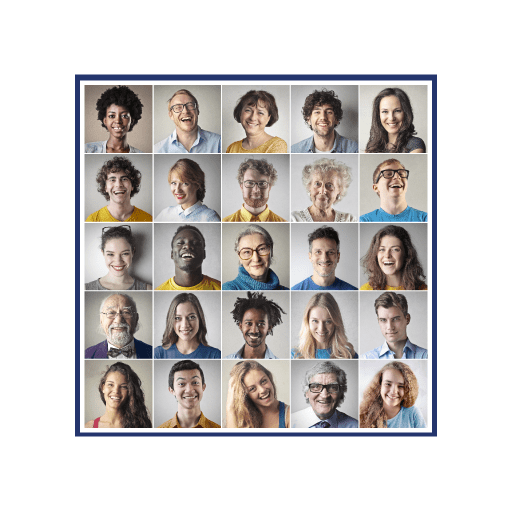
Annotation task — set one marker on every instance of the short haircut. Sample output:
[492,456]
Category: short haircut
[392,300]
[390,161]
[115,233]
[326,367]
[258,301]
[324,232]
[254,229]
[324,166]
[122,96]
[323,97]
[183,91]
[262,166]
[189,170]
[252,98]
[187,226]
[180,366]
[113,166]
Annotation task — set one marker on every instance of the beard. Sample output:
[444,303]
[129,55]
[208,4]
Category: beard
[256,203]
[119,339]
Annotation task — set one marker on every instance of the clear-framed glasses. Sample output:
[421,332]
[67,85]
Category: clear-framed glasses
[126,313]
[390,173]
[315,387]
[252,184]
[180,106]
[246,253]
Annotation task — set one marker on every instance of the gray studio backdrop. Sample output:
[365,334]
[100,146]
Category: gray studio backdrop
[419,237]
[347,302]
[302,268]
[210,165]
[280,233]
[210,302]
[417,188]
[279,195]
[142,262]
[139,137]
[208,98]
[368,369]
[348,406]
[166,405]
[144,302]
[164,265]
[417,330]
[94,200]
[348,95]
[280,371]
[419,102]
[233,131]
[232,339]
[300,196]
[93,372]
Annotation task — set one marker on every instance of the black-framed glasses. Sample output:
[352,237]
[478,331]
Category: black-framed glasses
[252,184]
[107,228]
[390,173]
[180,106]
[246,253]
[315,387]
[112,314]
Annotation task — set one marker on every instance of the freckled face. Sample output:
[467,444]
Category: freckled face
[259,388]
[392,389]
[391,255]
[115,390]
[118,256]
[118,121]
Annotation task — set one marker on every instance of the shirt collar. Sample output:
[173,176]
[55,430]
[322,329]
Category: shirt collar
[120,356]
[335,148]
[174,423]
[332,420]
[191,209]
[247,216]
[174,138]
[385,348]
[268,353]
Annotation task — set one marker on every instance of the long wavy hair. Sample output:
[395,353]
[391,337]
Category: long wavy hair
[412,274]
[371,410]
[378,134]
[341,348]
[170,337]
[134,411]
[247,415]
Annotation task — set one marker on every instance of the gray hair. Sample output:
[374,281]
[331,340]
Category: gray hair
[326,367]
[132,305]
[325,165]
[254,229]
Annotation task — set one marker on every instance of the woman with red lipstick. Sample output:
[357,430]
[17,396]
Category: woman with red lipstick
[119,110]
[252,399]
[392,129]
[121,392]
[392,262]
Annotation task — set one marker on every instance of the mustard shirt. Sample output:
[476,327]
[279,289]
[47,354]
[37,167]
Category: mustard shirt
[104,215]
[274,145]
[208,283]
[244,215]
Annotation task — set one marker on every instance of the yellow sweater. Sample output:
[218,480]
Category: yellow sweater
[103,215]
[274,145]
[208,283]
[244,215]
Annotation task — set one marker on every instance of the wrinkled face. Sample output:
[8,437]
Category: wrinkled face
[323,403]
[393,324]
[392,389]
[188,252]
[184,192]
[391,255]
[188,388]
[391,114]
[322,120]
[259,388]
[255,197]
[254,119]
[255,327]
[321,325]
[118,121]
[118,256]
[186,120]
[119,187]
[324,189]
[257,266]
[324,256]
[393,188]
[119,330]
[115,390]
[186,322]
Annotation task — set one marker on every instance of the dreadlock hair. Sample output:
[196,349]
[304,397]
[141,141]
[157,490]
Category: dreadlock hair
[257,300]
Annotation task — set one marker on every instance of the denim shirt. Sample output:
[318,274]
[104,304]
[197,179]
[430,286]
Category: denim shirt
[206,142]
[341,145]
[101,147]
[411,351]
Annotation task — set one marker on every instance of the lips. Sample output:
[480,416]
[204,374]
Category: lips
[118,268]
[187,256]
[119,192]
[265,396]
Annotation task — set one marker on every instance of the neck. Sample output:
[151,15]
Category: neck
[392,138]
[273,409]
[120,211]
[394,206]
[323,281]
[255,353]
[118,145]
[189,418]
[394,280]
[391,412]
[253,141]
[188,279]
[255,211]
[397,347]
[187,347]
[187,138]
[118,280]
[324,143]
[113,416]
[322,345]
[322,215]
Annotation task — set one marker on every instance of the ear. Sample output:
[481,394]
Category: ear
[376,188]
[408,318]
[172,391]
[309,255]
[338,257]
[170,112]
[309,121]
[240,327]
[204,387]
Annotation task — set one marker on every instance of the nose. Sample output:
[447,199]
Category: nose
[324,393]
[178,187]
[255,256]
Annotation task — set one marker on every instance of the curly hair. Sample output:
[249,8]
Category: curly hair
[378,134]
[116,232]
[323,166]
[262,166]
[113,166]
[180,366]
[322,368]
[121,96]
[341,348]
[258,301]
[412,275]
[247,415]
[324,232]
[371,410]
[134,411]
[252,98]
[170,337]
[189,170]
[188,93]
[319,98]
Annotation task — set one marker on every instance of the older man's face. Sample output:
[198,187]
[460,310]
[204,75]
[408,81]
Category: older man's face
[186,120]
[121,327]
[323,403]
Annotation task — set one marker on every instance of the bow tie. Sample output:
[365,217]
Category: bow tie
[321,424]
[126,351]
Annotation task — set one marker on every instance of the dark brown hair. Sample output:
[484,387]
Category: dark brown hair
[252,98]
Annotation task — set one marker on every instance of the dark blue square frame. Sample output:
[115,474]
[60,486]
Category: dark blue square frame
[227,78]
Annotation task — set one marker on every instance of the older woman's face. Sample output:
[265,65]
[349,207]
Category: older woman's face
[254,118]
[118,256]
[115,390]
[259,388]
[391,114]
[391,255]
[324,189]
[184,192]
[118,120]
[256,266]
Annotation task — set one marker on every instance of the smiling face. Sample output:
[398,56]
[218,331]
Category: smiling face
[323,120]
[321,326]
[184,192]
[393,188]
[186,322]
[391,115]
[115,390]
[257,266]
[391,255]
[119,187]
[259,388]
[255,197]
[118,256]
[324,189]
[188,388]
[188,252]
[393,324]
[118,121]
[119,330]
[254,119]
[255,327]
[186,120]
[324,256]
[324,403]
[392,389]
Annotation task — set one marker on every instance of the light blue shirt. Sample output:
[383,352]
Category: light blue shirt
[408,417]
[238,355]
[101,147]
[206,142]
[408,215]
[196,213]
[341,145]
[411,351]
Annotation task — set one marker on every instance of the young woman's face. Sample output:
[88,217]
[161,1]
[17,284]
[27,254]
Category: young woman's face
[117,120]
[392,389]
[115,390]
[321,325]
[118,256]
[184,192]
[259,388]
[391,114]
[391,255]
[186,322]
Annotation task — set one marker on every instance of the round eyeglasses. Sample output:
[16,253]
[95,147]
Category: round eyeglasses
[390,173]
[252,184]
[315,387]
[246,253]
[180,106]
[112,314]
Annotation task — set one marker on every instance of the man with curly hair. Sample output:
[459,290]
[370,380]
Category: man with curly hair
[322,113]
[256,317]
[118,181]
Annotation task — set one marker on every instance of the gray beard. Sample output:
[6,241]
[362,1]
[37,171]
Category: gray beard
[122,339]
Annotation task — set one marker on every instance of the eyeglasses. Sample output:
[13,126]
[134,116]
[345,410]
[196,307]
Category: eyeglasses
[125,226]
[180,106]
[252,184]
[390,173]
[111,314]
[246,253]
[315,387]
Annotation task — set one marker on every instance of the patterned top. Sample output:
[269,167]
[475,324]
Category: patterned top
[196,213]
[208,283]
[104,215]
[244,215]
[366,286]
[415,143]
[305,216]
[101,147]
[274,145]
[203,422]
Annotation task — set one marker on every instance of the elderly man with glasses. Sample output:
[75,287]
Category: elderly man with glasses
[119,320]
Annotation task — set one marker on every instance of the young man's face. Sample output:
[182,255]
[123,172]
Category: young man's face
[393,324]
[188,252]
[188,388]
[255,327]
[322,120]
[324,256]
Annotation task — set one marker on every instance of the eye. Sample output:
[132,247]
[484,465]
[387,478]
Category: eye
[177,318]
[126,116]
[192,317]
[315,321]
[328,321]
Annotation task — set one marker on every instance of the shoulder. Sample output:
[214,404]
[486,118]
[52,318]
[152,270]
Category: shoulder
[93,285]
[346,421]
[209,215]
[423,287]
[277,145]
[167,285]
[235,147]
[167,214]
[162,146]
[366,286]
[415,143]
[143,350]
[273,217]
[232,218]
[344,217]
[302,146]
[418,215]
[96,216]
[296,217]
[209,283]
[295,353]
[348,145]
[209,353]
[303,285]
[90,353]
[371,354]
[343,285]
[89,424]
[231,285]
[210,424]
[414,417]
[369,217]
[94,147]
[160,352]
[139,215]
[135,150]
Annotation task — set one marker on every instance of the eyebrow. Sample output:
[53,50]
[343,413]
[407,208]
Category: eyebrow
[183,378]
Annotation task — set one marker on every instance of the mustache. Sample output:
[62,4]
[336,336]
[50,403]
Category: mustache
[118,326]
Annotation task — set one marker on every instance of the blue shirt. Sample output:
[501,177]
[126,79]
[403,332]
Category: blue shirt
[320,353]
[101,147]
[308,419]
[341,145]
[196,213]
[309,284]
[206,142]
[238,355]
[411,351]
[201,352]
[408,215]
[408,417]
